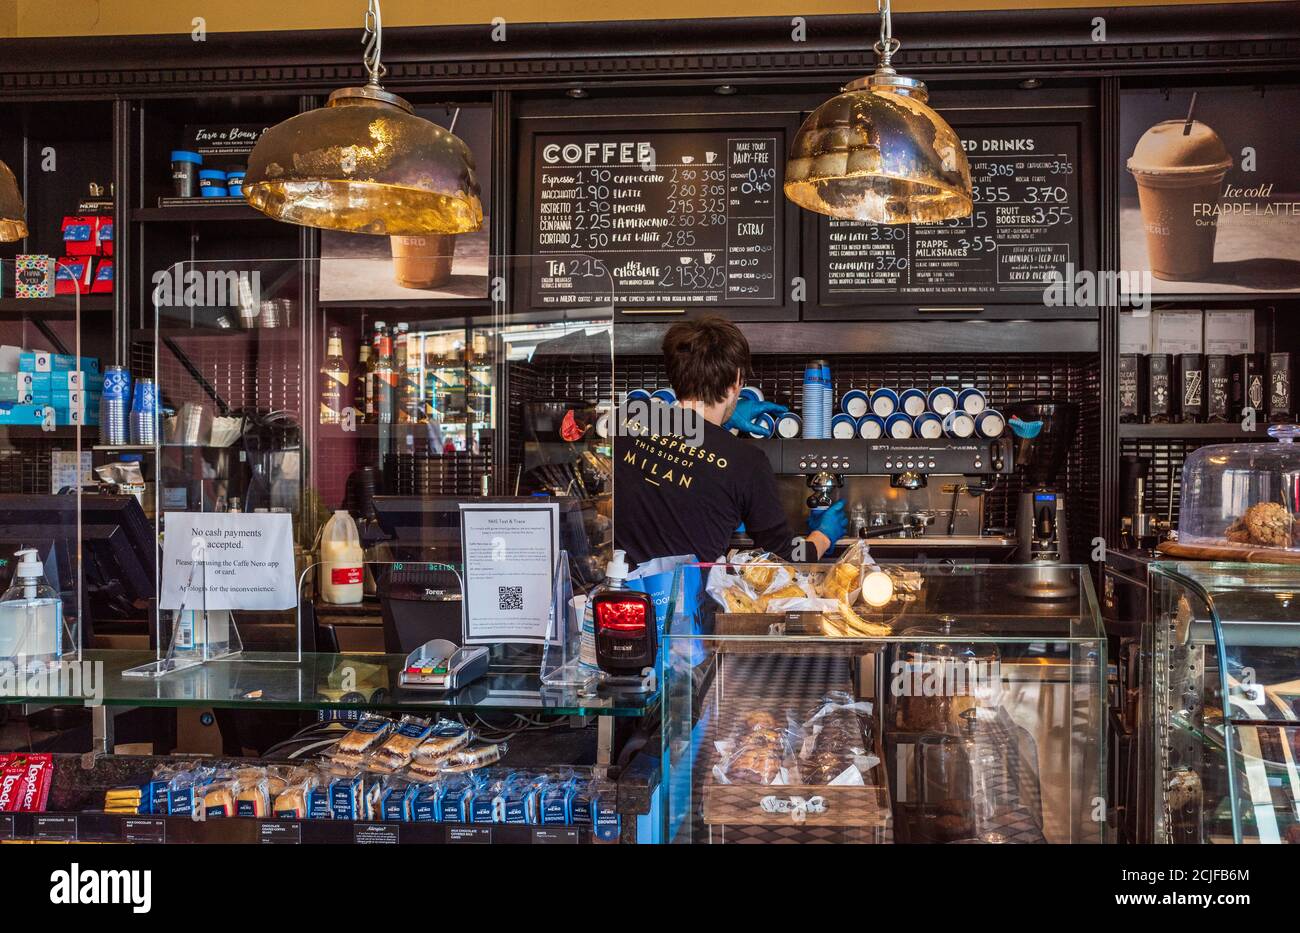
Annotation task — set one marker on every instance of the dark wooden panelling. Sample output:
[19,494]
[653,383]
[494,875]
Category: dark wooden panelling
[1211,37]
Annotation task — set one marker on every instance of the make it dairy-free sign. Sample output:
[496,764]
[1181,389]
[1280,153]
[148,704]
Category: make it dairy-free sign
[228,560]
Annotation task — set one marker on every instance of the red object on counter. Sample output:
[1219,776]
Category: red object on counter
[621,615]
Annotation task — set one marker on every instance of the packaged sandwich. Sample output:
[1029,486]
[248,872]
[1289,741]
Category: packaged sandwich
[219,800]
[252,793]
[365,736]
[400,746]
[444,737]
[291,803]
[469,759]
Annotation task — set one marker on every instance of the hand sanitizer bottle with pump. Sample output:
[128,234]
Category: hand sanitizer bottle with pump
[31,617]
[616,572]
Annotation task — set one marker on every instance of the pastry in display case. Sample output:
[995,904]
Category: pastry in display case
[1225,702]
[1240,499]
[859,702]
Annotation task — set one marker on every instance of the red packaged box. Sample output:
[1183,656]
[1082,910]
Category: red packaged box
[81,235]
[72,275]
[25,783]
[103,280]
[106,236]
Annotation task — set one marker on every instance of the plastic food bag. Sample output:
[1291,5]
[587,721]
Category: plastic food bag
[400,746]
[756,581]
[366,735]
[843,581]
[836,742]
[760,753]
[470,759]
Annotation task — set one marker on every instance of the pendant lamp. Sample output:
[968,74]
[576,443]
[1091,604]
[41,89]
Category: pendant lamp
[878,152]
[365,163]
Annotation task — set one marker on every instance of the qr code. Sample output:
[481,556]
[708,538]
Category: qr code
[510,597]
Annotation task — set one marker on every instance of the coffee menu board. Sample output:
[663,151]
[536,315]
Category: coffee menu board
[1024,228]
[657,219]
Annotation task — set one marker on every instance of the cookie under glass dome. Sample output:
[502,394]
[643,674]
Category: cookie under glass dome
[1243,495]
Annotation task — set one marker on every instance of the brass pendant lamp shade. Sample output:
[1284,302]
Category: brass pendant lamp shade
[365,163]
[879,153]
[13,216]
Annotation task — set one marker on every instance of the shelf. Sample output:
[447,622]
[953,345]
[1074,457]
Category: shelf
[32,432]
[397,430]
[60,306]
[276,680]
[95,826]
[1225,432]
[252,335]
[224,210]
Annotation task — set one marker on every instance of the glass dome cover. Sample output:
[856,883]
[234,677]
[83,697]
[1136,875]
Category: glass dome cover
[1243,496]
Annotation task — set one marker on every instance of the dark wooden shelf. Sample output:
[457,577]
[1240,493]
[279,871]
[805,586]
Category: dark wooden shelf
[197,213]
[1225,432]
[60,306]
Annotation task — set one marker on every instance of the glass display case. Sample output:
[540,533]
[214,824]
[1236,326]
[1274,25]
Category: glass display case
[1243,496]
[926,703]
[1224,688]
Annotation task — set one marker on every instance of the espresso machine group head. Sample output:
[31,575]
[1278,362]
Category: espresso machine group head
[901,466]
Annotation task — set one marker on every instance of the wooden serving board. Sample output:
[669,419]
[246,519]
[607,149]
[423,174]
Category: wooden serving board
[1238,552]
[739,804]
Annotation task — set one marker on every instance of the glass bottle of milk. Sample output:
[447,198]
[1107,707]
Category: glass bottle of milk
[31,617]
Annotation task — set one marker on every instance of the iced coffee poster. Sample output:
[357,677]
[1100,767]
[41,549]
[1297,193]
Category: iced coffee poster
[361,267]
[1210,189]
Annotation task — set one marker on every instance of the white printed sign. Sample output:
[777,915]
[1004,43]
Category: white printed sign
[228,560]
[510,551]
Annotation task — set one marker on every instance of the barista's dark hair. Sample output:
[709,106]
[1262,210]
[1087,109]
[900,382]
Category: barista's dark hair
[703,358]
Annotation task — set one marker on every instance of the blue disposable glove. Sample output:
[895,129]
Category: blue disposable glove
[745,418]
[831,523]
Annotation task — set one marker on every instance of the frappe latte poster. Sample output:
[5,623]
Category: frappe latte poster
[1210,189]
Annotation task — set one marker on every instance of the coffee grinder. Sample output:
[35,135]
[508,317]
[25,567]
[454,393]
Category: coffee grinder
[1042,439]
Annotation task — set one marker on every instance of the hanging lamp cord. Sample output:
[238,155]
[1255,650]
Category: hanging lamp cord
[887,45]
[373,40]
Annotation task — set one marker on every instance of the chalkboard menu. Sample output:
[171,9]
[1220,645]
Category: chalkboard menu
[657,219]
[1025,226]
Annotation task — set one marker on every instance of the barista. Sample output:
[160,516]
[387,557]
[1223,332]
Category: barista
[683,483]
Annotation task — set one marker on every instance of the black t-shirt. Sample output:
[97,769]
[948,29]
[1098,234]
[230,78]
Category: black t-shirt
[673,497]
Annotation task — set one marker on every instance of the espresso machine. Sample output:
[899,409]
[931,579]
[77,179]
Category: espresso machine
[916,498]
[1043,431]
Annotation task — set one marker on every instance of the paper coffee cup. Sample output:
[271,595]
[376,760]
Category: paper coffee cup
[423,261]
